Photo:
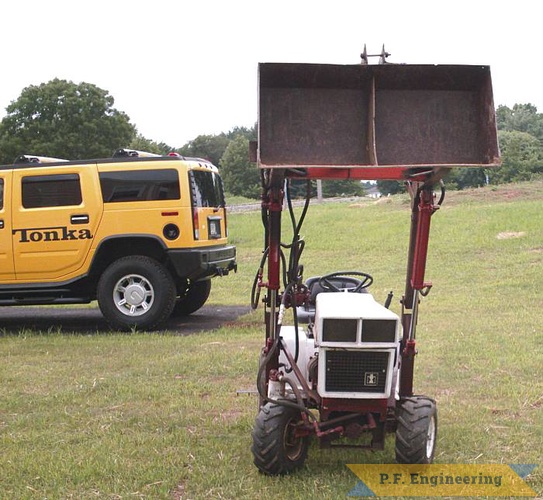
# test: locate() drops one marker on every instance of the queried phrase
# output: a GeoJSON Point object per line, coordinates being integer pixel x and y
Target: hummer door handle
{"type": "Point", "coordinates": [1, 223]}
{"type": "Point", "coordinates": [79, 219]}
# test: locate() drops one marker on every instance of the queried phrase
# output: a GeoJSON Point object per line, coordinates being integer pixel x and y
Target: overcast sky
{"type": "Point", "coordinates": [183, 68]}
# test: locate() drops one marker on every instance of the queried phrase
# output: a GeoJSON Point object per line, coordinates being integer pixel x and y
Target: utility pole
{"type": "Point", "coordinates": [319, 190]}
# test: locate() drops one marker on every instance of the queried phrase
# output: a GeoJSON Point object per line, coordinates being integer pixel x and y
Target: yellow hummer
{"type": "Point", "coordinates": [143, 234]}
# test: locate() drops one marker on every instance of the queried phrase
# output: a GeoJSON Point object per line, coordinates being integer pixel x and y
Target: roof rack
{"type": "Point", "coordinates": [123, 153]}
{"type": "Point", "coordinates": [36, 159]}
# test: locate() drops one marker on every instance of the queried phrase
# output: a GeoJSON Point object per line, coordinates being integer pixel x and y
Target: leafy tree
{"type": "Point", "coordinates": [212, 147]}
{"type": "Point", "coordinates": [461, 178]}
{"type": "Point", "coordinates": [142, 144]}
{"type": "Point", "coordinates": [209, 147]}
{"type": "Point", "coordinates": [390, 187]}
{"type": "Point", "coordinates": [63, 119]}
{"type": "Point", "coordinates": [298, 188]}
{"type": "Point", "coordinates": [522, 158]}
{"type": "Point", "coordinates": [249, 133]}
{"type": "Point", "coordinates": [241, 177]}
{"type": "Point", "coordinates": [521, 118]}
{"type": "Point", "coordinates": [332, 188]}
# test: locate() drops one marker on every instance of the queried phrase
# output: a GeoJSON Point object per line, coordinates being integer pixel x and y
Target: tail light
{"type": "Point", "coordinates": [195, 223]}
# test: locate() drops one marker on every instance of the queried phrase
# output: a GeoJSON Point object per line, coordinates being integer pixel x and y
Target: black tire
{"type": "Point", "coordinates": [276, 451]}
{"type": "Point", "coordinates": [136, 292]}
{"type": "Point", "coordinates": [193, 299]}
{"type": "Point", "coordinates": [416, 433]}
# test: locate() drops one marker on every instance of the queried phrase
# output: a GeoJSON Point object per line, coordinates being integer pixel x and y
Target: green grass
{"type": "Point", "coordinates": [160, 416]}
{"type": "Point", "coordinates": [239, 200]}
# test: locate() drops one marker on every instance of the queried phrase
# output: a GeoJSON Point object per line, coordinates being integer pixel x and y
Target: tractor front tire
{"type": "Point", "coordinates": [276, 449]}
{"type": "Point", "coordinates": [194, 297]}
{"type": "Point", "coordinates": [416, 432]}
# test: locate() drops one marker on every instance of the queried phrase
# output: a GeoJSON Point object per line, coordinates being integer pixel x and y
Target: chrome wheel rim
{"type": "Point", "coordinates": [133, 295]}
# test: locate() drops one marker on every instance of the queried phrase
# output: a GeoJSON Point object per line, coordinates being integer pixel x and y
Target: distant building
{"type": "Point", "coordinates": [373, 192]}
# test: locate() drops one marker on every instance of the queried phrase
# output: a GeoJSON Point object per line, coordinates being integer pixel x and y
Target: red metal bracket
{"type": "Point", "coordinates": [426, 209]}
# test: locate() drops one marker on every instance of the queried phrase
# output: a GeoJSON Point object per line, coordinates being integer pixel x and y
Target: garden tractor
{"type": "Point", "coordinates": [343, 371]}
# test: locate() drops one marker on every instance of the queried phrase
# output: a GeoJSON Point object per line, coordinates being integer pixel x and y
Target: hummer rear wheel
{"type": "Point", "coordinates": [136, 292]}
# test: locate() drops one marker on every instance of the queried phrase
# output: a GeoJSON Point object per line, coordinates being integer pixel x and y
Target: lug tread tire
{"type": "Point", "coordinates": [163, 286]}
{"type": "Point", "coordinates": [414, 417]}
{"type": "Point", "coordinates": [194, 298]}
{"type": "Point", "coordinates": [270, 456]}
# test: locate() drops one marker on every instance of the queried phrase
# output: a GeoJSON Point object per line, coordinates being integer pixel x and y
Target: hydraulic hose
{"type": "Point", "coordinates": [291, 277]}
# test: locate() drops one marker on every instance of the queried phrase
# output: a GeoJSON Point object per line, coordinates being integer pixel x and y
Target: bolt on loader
{"type": "Point", "coordinates": [344, 369]}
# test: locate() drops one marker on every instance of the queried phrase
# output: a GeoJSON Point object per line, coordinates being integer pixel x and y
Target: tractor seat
{"type": "Point", "coordinates": [306, 312]}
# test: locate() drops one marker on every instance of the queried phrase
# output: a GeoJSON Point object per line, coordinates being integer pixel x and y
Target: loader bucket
{"type": "Point", "coordinates": [387, 115]}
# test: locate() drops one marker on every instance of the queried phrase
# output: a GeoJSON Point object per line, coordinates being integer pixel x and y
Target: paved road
{"type": "Point", "coordinates": [252, 207]}
{"type": "Point", "coordinates": [90, 320]}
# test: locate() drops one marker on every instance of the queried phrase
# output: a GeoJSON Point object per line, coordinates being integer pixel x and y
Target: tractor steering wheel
{"type": "Point", "coordinates": [327, 281]}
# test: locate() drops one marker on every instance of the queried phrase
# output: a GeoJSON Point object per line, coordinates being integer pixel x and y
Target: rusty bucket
{"type": "Point", "coordinates": [387, 115]}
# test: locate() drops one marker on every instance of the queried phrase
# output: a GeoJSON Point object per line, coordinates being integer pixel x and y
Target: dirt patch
{"type": "Point", "coordinates": [523, 191]}
{"type": "Point", "coordinates": [179, 492]}
{"type": "Point", "coordinates": [510, 234]}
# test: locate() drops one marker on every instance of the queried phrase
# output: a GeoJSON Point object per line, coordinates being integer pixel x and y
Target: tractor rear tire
{"type": "Point", "coordinates": [417, 430]}
{"type": "Point", "coordinates": [276, 449]}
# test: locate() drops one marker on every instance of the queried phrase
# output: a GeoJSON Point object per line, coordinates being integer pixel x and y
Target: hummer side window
{"type": "Point", "coordinates": [140, 185]}
{"type": "Point", "coordinates": [41, 191]}
{"type": "Point", "coordinates": [1, 194]}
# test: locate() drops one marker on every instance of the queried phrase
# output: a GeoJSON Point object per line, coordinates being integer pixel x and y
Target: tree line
{"type": "Point", "coordinates": [76, 121]}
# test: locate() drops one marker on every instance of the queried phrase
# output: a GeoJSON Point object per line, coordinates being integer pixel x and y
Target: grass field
{"type": "Point", "coordinates": [167, 416]}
